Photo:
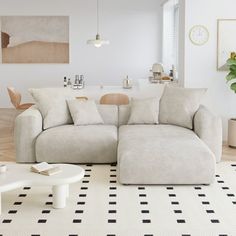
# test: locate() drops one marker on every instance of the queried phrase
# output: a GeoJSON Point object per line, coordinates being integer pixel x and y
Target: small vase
{"type": "Point", "coordinates": [232, 133]}
{"type": "Point", "coordinates": [127, 83]}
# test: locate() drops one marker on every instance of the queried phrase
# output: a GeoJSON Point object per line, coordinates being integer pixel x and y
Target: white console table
{"type": "Point", "coordinates": [143, 89]}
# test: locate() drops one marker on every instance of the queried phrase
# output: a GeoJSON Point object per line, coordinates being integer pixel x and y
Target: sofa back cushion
{"type": "Point", "coordinates": [109, 114]}
{"type": "Point", "coordinates": [52, 104]}
{"type": "Point", "coordinates": [144, 111]}
{"type": "Point", "coordinates": [84, 112]}
{"type": "Point", "coordinates": [178, 106]}
{"type": "Point", "coordinates": [124, 114]}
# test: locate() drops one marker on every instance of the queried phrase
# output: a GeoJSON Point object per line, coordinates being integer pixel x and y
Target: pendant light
{"type": "Point", "coordinates": [98, 42]}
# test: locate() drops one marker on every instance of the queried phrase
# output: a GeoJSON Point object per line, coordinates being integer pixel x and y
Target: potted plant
{"type": "Point", "coordinates": [231, 78]}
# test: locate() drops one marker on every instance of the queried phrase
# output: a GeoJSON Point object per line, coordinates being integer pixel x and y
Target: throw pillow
{"type": "Point", "coordinates": [144, 111]}
{"type": "Point", "coordinates": [52, 104]}
{"type": "Point", "coordinates": [84, 112]}
{"type": "Point", "coordinates": [178, 106]}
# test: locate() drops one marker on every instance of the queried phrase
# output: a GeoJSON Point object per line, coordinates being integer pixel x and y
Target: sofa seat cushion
{"type": "Point", "coordinates": [163, 154]}
{"type": "Point", "coordinates": [78, 144]}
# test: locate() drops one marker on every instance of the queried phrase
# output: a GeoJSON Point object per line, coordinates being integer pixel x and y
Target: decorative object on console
{"type": "Point", "coordinates": [16, 99]}
{"type": "Point", "coordinates": [35, 39]}
{"type": "Point", "coordinates": [175, 73]}
{"type": "Point", "coordinates": [82, 97]}
{"type": "Point", "coordinates": [165, 79]}
{"type": "Point", "coordinates": [79, 82]}
{"type": "Point", "coordinates": [172, 73]}
{"type": "Point", "coordinates": [75, 86]}
{"type": "Point", "coordinates": [157, 70]}
{"type": "Point", "coordinates": [98, 42]}
{"type": "Point", "coordinates": [199, 35]}
{"type": "Point", "coordinates": [65, 82]}
{"type": "Point", "coordinates": [225, 41]}
{"type": "Point", "coordinates": [160, 77]}
{"type": "Point", "coordinates": [127, 83]}
{"type": "Point", "coordinates": [69, 84]}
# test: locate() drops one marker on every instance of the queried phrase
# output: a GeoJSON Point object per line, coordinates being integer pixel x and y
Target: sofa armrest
{"type": "Point", "coordinates": [28, 125]}
{"type": "Point", "coordinates": [209, 129]}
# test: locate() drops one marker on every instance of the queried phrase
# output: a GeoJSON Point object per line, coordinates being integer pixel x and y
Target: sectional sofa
{"type": "Point", "coordinates": [145, 153]}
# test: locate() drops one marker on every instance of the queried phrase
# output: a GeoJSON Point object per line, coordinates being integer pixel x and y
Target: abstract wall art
{"type": "Point", "coordinates": [34, 39]}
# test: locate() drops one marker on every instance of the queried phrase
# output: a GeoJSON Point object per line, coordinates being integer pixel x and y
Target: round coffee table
{"type": "Point", "coordinates": [19, 175]}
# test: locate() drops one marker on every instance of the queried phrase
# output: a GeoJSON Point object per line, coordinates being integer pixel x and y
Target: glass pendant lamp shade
{"type": "Point", "coordinates": [97, 42]}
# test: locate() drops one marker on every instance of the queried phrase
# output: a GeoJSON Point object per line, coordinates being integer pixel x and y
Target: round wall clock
{"type": "Point", "coordinates": [199, 35]}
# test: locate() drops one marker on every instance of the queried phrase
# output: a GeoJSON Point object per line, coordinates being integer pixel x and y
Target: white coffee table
{"type": "Point", "coordinates": [19, 175]}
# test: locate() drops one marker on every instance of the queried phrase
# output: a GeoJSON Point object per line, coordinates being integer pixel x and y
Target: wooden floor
{"type": "Point", "coordinates": [7, 151]}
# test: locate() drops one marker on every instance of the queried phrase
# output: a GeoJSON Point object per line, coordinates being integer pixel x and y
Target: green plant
{"type": "Point", "coordinates": [231, 77]}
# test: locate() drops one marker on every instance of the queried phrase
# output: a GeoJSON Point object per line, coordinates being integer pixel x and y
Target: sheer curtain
{"type": "Point", "coordinates": [170, 35]}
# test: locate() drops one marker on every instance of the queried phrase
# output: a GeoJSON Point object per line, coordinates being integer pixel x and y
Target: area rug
{"type": "Point", "coordinates": [100, 206]}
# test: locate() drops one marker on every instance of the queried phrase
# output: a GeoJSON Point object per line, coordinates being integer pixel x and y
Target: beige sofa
{"type": "Point", "coordinates": [145, 154]}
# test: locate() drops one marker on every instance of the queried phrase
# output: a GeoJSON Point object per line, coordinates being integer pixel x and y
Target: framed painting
{"type": "Point", "coordinates": [34, 39]}
{"type": "Point", "coordinates": [226, 41]}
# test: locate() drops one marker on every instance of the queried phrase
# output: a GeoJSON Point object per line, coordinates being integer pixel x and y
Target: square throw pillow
{"type": "Point", "coordinates": [84, 112]}
{"type": "Point", "coordinates": [52, 104]}
{"type": "Point", "coordinates": [144, 111]}
{"type": "Point", "coordinates": [178, 105]}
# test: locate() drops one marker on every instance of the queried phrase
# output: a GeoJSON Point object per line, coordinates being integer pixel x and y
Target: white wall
{"type": "Point", "coordinates": [133, 28]}
{"type": "Point", "coordinates": [200, 61]}
{"type": "Point", "coordinates": [181, 72]}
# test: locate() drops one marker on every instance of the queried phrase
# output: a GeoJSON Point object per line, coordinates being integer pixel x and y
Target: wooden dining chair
{"type": "Point", "coordinates": [114, 99]}
{"type": "Point", "coordinates": [16, 99]}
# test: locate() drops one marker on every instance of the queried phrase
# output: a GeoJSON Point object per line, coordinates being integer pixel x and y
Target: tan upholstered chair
{"type": "Point", "coordinates": [114, 99]}
{"type": "Point", "coordinates": [16, 99]}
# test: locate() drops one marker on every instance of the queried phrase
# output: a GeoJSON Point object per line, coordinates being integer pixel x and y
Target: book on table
{"type": "Point", "coordinates": [45, 169]}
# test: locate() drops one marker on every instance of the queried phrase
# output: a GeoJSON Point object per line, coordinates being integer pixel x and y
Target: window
{"type": "Point", "coordinates": [170, 35]}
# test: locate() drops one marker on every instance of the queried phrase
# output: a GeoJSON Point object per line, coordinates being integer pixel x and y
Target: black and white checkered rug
{"type": "Point", "coordinates": [100, 206]}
